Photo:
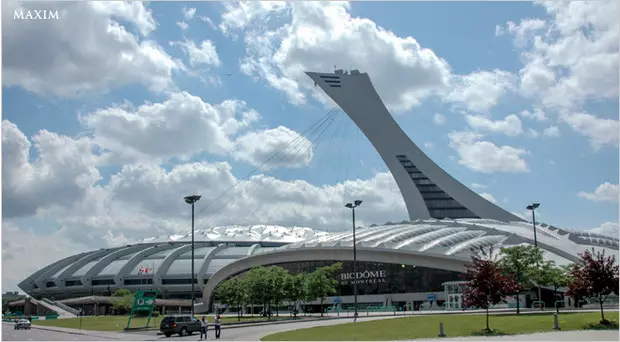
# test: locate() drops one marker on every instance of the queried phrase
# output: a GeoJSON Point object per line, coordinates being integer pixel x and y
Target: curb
{"type": "Point", "coordinates": [83, 333]}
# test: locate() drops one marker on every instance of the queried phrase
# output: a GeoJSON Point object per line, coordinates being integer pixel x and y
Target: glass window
{"type": "Point", "coordinates": [84, 269]}
{"type": "Point", "coordinates": [216, 264]}
{"type": "Point", "coordinates": [234, 251]}
{"type": "Point", "coordinates": [147, 267]}
{"type": "Point", "coordinates": [198, 252]}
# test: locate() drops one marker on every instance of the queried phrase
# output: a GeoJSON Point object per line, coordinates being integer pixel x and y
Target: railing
{"type": "Point", "coordinates": [68, 308]}
{"type": "Point", "coordinates": [55, 306]}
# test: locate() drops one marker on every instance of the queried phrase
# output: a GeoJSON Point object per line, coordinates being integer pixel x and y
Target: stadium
{"type": "Point", "coordinates": [408, 264]}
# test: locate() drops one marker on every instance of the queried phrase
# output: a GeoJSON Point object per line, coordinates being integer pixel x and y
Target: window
{"type": "Point", "coordinates": [142, 281]}
{"type": "Point", "coordinates": [69, 283]}
{"type": "Point", "coordinates": [179, 281]}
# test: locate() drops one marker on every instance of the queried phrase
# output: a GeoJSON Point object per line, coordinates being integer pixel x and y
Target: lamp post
{"type": "Point", "coordinates": [532, 207]}
{"type": "Point", "coordinates": [191, 200]}
{"type": "Point", "coordinates": [352, 206]}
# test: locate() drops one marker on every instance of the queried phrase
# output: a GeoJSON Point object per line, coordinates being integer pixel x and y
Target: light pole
{"type": "Point", "coordinates": [355, 204]}
{"type": "Point", "coordinates": [532, 207]}
{"type": "Point", "coordinates": [191, 200]}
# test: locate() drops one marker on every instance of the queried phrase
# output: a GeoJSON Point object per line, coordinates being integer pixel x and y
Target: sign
{"type": "Point", "coordinates": [365, 277]}
{"type": "Point", "coordinates": [144, 301]}
{"type": "Point", "coordinates": [431, 297]}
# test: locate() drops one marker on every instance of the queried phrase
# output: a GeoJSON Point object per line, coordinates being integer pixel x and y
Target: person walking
{"type": "Point", "coordinates": [204, 325]}
{"type": "Point", "coordinates": [216, 323]}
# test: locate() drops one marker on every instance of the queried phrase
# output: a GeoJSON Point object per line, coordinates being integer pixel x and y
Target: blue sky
{"type": "Point", "coordinates": [517, 100]}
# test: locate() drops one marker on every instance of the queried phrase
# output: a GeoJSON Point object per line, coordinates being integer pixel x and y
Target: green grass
{"type": "Point", "coordinates": [118, 323]}
{"type": "Point", "coordinates": [428, 327]}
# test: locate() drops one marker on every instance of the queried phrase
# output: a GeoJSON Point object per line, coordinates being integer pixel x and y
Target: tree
{"type": "Point", "coordinates": [321, 283]}
{"type": "Point", "coordinates": [552, 275]}
{"type": "Point", "coordinates": [295, 290]}
{"type": "Point", "coordinates": [522, 263]}
{"type": "Point", "coordinates": [594, 276]}
{"type": "Point", "coordinates": [488, 284]}
{"type": "Point", "coordinates": [124, 300]}
{"type": "Point", "coordinates": [234, 293]}
{"type": "Point", "coordinates": [275, 278]}
{"type": "Point", "coordinates": [256, 279]}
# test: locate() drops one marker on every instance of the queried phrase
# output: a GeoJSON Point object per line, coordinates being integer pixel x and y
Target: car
{"type": "Point", "coordinates": [22, 324]}
{"type": "Point", "coordinates": [179, 324]}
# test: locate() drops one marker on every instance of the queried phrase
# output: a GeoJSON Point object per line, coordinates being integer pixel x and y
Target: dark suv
{"type": "Point", "coordinates": [179, 324]}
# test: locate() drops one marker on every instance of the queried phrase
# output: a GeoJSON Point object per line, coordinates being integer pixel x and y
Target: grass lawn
{"type": "Point", "coordinates": [118, 323]}
{"type": "Point", "coordinates": [428, 327]}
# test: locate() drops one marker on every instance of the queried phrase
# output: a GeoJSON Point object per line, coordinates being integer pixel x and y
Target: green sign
{"type": "Point", "coordinates": [143, 301]}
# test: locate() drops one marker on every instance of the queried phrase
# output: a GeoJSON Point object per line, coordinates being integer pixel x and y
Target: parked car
{"type": "Point", "coordinates": [179, 324]}
{"type": "Point", "coordinates": [22, 324]}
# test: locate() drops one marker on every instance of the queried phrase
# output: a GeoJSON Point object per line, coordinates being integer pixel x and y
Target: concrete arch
{"type": "Point", "coordinates": [206, 261]}
{"type": "Point", "coordinates": [170, 258]}
{"type": "Point", "coordinates": [431, 260]}
{"type": "Point", "coordinates": [41, 276]}
{"type": "Point", "coordinates": [133, 261]}
{"type": "Point", "coordinates": [101, 264]}
{"type": "Point", "coordinates": [356, 95]}
{"type": "Point", "coordinates": [60, 280]}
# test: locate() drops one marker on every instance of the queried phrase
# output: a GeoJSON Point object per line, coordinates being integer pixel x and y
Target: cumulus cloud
{"type": "Point", "coordinates": [188, 13]}
{"type": "Point", "coordinates": [485, 156]}
{"type": "Point", "coordinates": [510, 125]}
{"type": "Point", "coordinates": [605, 192]}
{"type": "Point", "coordinates": [600, 132]}
{"type": "Point", "coordinates": [205, 54]}
{"type": "Point", "coordinates": [60, 176]}
{"type": "Point", "coordinates": [292, 149]}
{"type": "Point", "coordinates": [572, 58]}
{"type": "Point", "coordinates": [318, 35]}
{"type": "Point", "coordinates": [552, 132]}
{"type": "Point", "coordinates": [146, 132]}
{"type": "Point", "coordinates": [62, 58]}
{"type": "Point", "coordinates": [481, 91]}
{"type": "Point", "coordinates": [607, 228]}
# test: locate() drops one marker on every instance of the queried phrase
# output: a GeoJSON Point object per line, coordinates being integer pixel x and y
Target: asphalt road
{"type": "Point", "coordinates": [10, 334]}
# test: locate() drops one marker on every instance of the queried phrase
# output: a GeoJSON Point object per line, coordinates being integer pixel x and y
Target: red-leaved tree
{"type": "Point", "coordinates": [487, 283]}
{"type": "Point", "coordinates": [594, 276]}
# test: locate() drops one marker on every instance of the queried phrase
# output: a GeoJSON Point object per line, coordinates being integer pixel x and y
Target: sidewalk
{"type": "Point", "coordinates": [574, 335]}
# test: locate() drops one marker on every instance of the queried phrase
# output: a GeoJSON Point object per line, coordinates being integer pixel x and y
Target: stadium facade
{"type": "Point", "coordinates": [403, 264]}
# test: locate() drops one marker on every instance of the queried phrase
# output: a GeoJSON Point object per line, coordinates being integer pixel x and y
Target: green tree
{"type": "Point", "coordinates": [256, 279]}
{"type": "Point", "coordinates": [295, 290]}
{"type": "Point", "coordinates": [234, 293]}
{"type": "Point", "coordinates": [275, 278]}
{"type": "Point", "coordinates": [124, 301]}
{"type": "Point", "coordinates": [522, 263]}
{"type": "Point", "coordinates": [552, 275]}
{"type": "Point", "coordinates": [321, 283]}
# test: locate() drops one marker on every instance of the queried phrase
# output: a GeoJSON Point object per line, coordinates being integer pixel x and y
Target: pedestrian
{"type": "Point", "coordinates": [204, 324]}
{"type": "Point", "coordinates": [216, 323]}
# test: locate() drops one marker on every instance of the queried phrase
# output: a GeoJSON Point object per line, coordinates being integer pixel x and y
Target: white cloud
{"type": "Point", "coordinates": [478, 186]}
{"type": "Point", "coordinates": [209, 22]}
{"type": "Point", "coordinates": [510, 125]}
{"type": "Point", "coordinates": [486, 157]}
{"type": "Point", "coordinates": [70, 61]}
{"type": "Point", "coordinates": [532, 133]}
{"type": "Point", "coordinates": [318, 36]}
{"type": "Point", "coordinates": [605, 192]}
{"type": "Point", "coordinates": [600, 132]}
{"type": "Point", "coordinates": [188, 13]}
{"type": "Point", "coordinates": [481, 91]}
{"type": "Point", "coordinates": [60, 176]}
{"type": "Point", "coordinates": [537, 114]}
{"type": "Point", "coordinates": [182, 25]}
{"type": "Point", "coordinates": [552, 132]}
{"type": "Point", "coordinates": [574, 58]}
{"type": "Point", "coordinates": [292, 149]}
{"type": "Point", "coordinates": [439, 119]}
{"type": "Point", "coordinates": [607, 228]}
{"type": "Point", "coordinates": [429, 144]}
{"type": "Point", "coordinates": [205, 54]}
{"type": "Point", "coordinates": [487, 196]}
{"type": "Point", "coordinates": [146, 132]}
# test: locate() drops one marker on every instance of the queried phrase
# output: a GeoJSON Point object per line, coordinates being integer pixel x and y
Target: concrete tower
{"type": "Point", "coordinates": [428, 190]}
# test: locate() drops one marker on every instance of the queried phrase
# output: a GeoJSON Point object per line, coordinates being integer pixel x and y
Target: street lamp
{"type": "Point", "coordinates": [532, 207]}
{"type": "Point", "coordinates": [355, 204]}
{"type": "Point", "coordinates": [191, 200]}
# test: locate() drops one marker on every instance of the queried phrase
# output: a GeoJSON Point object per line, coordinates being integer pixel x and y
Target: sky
{"type": "Point", "coordinates": [115, 111]}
